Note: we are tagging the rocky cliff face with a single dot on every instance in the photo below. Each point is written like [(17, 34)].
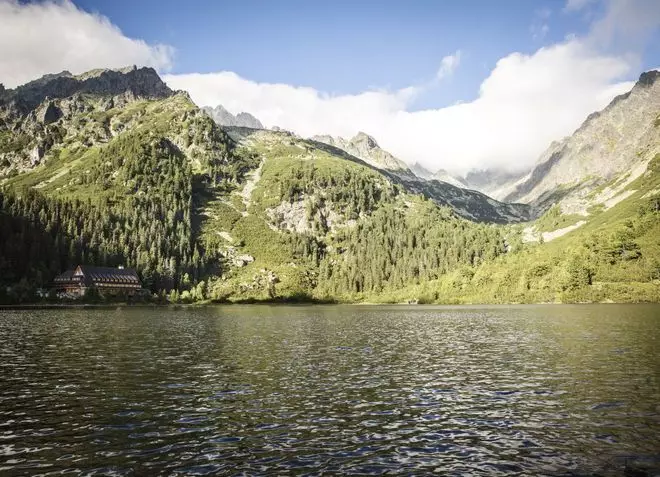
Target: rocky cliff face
[(222, 117), (366, 148), (36, 116), (594, 165), (127, 84)]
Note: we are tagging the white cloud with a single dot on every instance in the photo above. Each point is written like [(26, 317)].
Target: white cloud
[(448, 65), (48, 37), (526, 102)]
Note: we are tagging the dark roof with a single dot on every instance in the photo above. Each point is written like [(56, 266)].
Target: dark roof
[(93, 275), (108, 271)]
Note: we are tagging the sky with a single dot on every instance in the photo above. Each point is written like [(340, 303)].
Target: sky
[(457, 85)]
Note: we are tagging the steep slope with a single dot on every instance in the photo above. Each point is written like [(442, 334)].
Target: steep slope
[(613, 257), (222, 117), (132, 173), (115, 181), (204, 212), (312, 220), (469, 204), (593, 166)]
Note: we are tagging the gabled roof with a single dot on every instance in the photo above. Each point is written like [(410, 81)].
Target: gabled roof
[(107, 274), (88, 275)]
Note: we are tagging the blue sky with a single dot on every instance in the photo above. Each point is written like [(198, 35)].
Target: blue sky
[(458, 85), (345, 46)]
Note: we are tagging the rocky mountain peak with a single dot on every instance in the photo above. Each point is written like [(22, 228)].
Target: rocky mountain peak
[(444, 176), (365, 147), (365, 139), (222, 117), (421, 171), (132, 83), (648, 77)]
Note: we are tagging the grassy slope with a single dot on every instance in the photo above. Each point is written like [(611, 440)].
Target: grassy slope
[(61, 172), (249, 228)]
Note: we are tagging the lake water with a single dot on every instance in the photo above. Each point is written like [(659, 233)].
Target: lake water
[(554, 390)]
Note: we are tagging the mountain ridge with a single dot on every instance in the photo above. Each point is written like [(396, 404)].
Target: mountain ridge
[(620, 138)]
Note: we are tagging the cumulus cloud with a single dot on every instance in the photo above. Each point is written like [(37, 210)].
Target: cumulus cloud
[(448, 65), (40, 38), (526, 102)]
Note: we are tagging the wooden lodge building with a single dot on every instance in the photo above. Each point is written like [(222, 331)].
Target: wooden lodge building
[(107, 280)]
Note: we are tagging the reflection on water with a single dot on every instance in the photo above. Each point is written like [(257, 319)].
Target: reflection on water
[(559, 390)]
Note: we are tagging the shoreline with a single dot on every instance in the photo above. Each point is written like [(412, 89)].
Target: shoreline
[(100, 306)]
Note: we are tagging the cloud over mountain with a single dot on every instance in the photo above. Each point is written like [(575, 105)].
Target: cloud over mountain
[(48, 37), (526, 102)]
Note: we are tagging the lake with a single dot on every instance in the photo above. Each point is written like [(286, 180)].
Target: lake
[(554, 390)]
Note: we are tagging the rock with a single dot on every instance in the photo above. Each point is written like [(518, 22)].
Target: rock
[(239, 260), (49, 114), (444, 176), (615, 143), (132, 83), (36, 155), (248, 121), (421, 171)]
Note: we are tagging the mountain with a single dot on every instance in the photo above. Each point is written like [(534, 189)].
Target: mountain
[(35, 116), (420, 171), (449, 192), (444, 176), (222, 117), (128, 172), (596, 165), (366, 148), (491, 181)]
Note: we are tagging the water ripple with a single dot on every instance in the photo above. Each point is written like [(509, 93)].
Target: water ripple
[(331, 390)]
